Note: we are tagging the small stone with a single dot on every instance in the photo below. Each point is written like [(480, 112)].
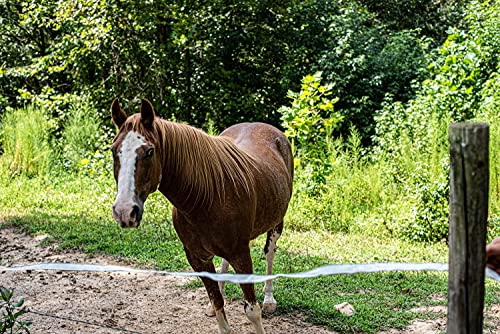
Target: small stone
[(345, 308)]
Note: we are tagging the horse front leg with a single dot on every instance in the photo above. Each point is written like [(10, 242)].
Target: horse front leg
[(213, 291), (243, 265)]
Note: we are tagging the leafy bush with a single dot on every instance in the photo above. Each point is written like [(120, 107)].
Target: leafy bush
[(429, 215), (433, 17), (413, 136), (365, 61), (309, 123), (34, 141), (25, 136)]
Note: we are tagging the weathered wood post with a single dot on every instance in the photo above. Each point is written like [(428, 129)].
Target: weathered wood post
[(469, 184)]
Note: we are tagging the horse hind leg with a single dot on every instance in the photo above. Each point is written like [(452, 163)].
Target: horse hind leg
[(210, 311), (269, 305)]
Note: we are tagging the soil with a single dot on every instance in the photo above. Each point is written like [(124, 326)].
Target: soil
[(135, 302)]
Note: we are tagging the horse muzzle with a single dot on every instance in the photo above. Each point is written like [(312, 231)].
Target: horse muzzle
[(127, 214)]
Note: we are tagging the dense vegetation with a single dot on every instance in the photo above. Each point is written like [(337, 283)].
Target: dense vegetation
[(216, 61), (364, 90), (365, 97)]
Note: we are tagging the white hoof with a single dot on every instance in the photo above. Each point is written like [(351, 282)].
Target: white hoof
[(269, 305), (209, 310)]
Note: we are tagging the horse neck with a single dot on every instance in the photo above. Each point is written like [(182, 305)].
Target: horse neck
[(195, 167)]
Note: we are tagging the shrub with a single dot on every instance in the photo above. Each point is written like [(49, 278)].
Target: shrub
[(413, 137), (429, 215), (308, 124)]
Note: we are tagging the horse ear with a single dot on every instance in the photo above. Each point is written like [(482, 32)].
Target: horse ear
[(117, 113), (147, 114)]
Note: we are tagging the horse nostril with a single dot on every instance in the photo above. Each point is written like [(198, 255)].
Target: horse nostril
[(135, 212)]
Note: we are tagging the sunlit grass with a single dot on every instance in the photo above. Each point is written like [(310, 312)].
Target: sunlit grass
[(76, 212)]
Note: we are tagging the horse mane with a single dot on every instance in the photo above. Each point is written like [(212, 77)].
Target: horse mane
[(207, 164)]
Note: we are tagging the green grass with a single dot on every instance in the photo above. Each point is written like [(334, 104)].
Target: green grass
[(76, 212), (24, 139)]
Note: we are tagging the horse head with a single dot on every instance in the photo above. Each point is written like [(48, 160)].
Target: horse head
[(136, 159)]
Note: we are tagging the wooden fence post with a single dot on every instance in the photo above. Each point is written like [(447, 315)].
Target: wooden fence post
[(469, 184)]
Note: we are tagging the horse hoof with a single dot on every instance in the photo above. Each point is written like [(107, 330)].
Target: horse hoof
[(209, 311), (269, 308)]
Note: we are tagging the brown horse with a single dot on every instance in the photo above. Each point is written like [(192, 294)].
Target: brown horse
[(226, 191)]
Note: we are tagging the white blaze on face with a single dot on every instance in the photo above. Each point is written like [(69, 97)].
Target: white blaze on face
[(128, 157)]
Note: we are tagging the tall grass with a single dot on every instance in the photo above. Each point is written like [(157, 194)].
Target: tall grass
[(402, 193), (353, 192), (25, 135), (82, 135), (33, 147)]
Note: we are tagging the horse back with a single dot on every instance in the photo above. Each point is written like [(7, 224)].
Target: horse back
[(264, 142)]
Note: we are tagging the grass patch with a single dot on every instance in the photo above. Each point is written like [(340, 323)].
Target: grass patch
[(76, 212)]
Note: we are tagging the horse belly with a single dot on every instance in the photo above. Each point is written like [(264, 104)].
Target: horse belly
[(274, 174), (272, 205)]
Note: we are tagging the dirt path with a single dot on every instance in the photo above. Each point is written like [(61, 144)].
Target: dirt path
[(140, 303), (137, 302)]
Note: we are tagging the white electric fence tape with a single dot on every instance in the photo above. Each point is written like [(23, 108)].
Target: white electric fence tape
[(332, 269)]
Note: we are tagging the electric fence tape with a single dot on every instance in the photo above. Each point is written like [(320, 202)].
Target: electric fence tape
[(332, 269)]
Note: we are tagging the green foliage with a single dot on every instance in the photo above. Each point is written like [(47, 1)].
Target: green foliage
[(434, 18), (11, 312), (216, 64), (413, 136), (310, 119), (429, 218), (202, 61), (309, 123), (82, 137), (34, 142), (365, 61), (349, 197), (25, 135)]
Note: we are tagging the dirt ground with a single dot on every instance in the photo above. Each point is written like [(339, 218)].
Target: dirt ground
[(138, 303)]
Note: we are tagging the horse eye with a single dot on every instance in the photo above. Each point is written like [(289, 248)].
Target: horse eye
[(150, 153)]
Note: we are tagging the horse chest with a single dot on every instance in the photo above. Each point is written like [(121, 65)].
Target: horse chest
[(212, 235)]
